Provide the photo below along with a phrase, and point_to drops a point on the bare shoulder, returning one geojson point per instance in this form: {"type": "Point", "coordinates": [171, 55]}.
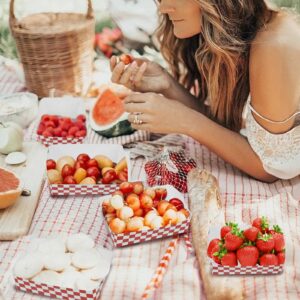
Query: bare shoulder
{"type": "Point", "coordinates": [274, 71]}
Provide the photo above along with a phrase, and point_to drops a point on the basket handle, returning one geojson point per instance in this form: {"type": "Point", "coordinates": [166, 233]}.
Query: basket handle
{"type": "Point", "coordinates": [13, 20]}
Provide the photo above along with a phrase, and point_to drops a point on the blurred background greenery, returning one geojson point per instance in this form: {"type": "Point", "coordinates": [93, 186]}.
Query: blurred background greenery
{"type": "Point", "coordinates": [7, 45]}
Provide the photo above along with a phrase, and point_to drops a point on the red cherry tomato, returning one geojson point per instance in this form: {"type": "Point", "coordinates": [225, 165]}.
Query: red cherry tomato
{"type": "Point", "coordinates": [80, 164]}
{"type": "Point", "coordinates": [69, 180]}
{"type": "Point", "coordinates": [83, 156]}
{"type": "Point", "coordinates": [51, 164]}
{"type": "Point", "coordinates": [67, 170]}
{"type": "Point", "coordinates": [126, 187]}
{"type": "Point", "coordinates": [73, 130]}
{"type": "Point", "coordinates": [160, 193]}
{"type": "Point", "coordinates": [126, 59]}
{"type": "Point", "coordinates": [109, 176]}
{"type": "Point", "coordinates": [81, 118]}
{"type": "Point", "coordinates": [93, 171]}
{"type": "Point", "coordinates": [123, 176]}
{"type": "Point", "coordinates": [92, 163]}
{"type": "Point", "coordinates": [177, 203]}
{"type": "Point", "coordinates": [138, 187]}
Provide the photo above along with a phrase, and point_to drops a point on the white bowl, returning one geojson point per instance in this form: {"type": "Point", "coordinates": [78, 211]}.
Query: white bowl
{"type": "Point", "coordinates": [21, 108]}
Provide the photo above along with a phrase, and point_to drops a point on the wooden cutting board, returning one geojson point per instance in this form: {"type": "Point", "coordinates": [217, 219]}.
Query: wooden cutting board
{"type": "Point", "coordinates": [15, 220]}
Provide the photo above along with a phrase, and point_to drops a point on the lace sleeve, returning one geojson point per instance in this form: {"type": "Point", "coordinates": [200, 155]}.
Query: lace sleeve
{"type": "Point", "coordinates": [279, 153]}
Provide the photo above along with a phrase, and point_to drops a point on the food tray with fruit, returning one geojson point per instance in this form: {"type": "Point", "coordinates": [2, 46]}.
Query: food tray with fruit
{"type": "Point", "coordinates": [61, 121]}
{"type": "Point", "coordinates": [136, 214]}
{"type": "Point", "coordinates": [76, 271]}
{"type": "Point", "coordinates": [255, 250]}
{"type": "Point", "coordinates": [89, 169]}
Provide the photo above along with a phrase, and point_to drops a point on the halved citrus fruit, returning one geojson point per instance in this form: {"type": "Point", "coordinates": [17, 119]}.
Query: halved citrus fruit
{"type": "Point", "coordinates": [10, 188]}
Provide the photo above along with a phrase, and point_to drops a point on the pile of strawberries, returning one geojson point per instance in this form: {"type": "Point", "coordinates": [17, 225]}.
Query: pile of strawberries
{"type": "Point", "coordinates": [58, 126]}
{"type": "Point", "coordinates": [257, 244]}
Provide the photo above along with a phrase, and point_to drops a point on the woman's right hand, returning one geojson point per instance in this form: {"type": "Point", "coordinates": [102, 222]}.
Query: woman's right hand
{"type": "Point", "coordinates": [141, 75]}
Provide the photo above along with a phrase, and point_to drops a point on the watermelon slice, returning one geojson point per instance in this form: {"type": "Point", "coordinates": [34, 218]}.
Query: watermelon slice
{"type": "Point", "coordinates": [108, 116]}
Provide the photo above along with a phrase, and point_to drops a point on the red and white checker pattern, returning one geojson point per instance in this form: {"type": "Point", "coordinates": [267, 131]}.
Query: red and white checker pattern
{"type": "Point", "coordinates": [131, 238]}
{"type": "Point", "coordinates": [239, 270]}
{"type": "Point", "coordinates": [82, 190]}
{"type": "Point", "coordinates": [29, 286]}
{"type": "Point", "coordinates": [48, 141]}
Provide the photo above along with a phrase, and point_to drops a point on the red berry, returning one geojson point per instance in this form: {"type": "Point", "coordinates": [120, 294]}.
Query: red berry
{"type": "Point", "coordinates": [229, 259]}
{"type": "Point", "coordinates": [268, 260]}
{"type": "Point", "coordinates": [261, 223]}
{"type": "Point", "coordinates": [233, 239]}
{"type": "Point", "coordinates": [251, 233]}
{"type": "Point", "coordinates": [278, 237]}
{"type": "Point", "coordinates": [265, 243]}
{"type": "Point", "coordinates": [248, 256]}
{"type": "Point", "coordinates": [281, 258]}
{"type": "Point", "coordinates": [211, 245]}
{"type": "Point", "coordinates": [227, 228]}
{"type": "Point", "coordinates": [215, 252]}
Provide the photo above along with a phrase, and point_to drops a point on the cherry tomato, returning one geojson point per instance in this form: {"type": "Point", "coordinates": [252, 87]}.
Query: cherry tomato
{"type": "Point", "coordinates": [45, 118]}
{"type": "Point", "coordinates": [123, 176]}
{"type": "Point", "coordinates": [126, 59]}
{"type": "Point", "coordinates": [160, 193]}
{"type": "Point", "coordinates": [109, 176]}
{"type": "Point", "coordinates": [177, 203]}
{"type": "Point", "coordinates": [51, 164]}
{"type": "Point", "coordinates": [92, 163]}
{"type": "Point", "coordinates": [81, 133]}
{"type": "Point", "coordinates": [83, 156]}
{"type": "Point", "coordinates": [81, 118]}
{"type": "Point", "coordinates": [146, 201]}
{"type": "Point", "coordinates": [126, 187]}
{"type": "Point", "coordinates": [138, 187]}
{"type": "Point", "coordinates": [150, 192]}
{"type": "Point", "coordinates": [73, 130]}
{"type": "Point", "coordinates": [69, 180]}
{"type": "Point", "coordinates": [67, 170]}
{"type": "Point", "coordinates": [93, 171]}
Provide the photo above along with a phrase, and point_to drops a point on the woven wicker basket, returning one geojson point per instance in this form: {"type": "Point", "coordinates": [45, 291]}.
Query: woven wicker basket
{"type": "Point", "coordinates": [56, 50]}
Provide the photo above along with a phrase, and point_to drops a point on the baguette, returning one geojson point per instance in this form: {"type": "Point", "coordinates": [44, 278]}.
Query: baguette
{"type": "Point", "coordinates": [206, 207]}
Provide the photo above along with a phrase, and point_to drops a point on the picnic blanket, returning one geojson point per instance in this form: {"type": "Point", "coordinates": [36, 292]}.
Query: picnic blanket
{"type": "Point", "coordinates": [242, 197]}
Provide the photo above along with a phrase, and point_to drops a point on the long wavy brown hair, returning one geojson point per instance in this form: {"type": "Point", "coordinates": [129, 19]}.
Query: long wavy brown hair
{"type": "Point", "coordinates": [217, 60]}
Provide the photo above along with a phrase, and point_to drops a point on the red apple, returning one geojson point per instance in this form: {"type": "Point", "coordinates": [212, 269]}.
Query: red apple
{"type": "Point", "coordinates": [177, 203]}
{"type": "Point", "coordinates": [93, 172]}
{"type": "Point", "coordinates": [126, 187]}
{"type": "Point", "coordinates": [92, 163]}
{"type": "Point", "coordinates": [69, 180]}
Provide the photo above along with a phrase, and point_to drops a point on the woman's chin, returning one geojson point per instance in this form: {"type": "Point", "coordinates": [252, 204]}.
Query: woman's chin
{"type": "Point", "coordinates": [184, 35]}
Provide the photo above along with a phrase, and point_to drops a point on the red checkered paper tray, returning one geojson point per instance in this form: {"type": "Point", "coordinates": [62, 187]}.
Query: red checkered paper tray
{"type": "Point", "coordinates": [102, 171]}
{"type": "Point", "coordinates": [135, 221]}
{"type": "Point", "coordinates": [218, 269]}
{"type": "Point", "coordinates": [66, 107]}
{"type": "Point", "coordinates": [63, 267]}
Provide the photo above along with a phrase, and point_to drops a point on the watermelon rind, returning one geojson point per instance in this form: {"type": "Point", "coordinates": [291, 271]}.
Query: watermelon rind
{"type": "Point", "coordinates": [121, 126]}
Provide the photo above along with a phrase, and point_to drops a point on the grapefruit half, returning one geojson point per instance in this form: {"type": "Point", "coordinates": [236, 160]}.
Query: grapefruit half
{"type": "Point", "coordinates": [10, 188]}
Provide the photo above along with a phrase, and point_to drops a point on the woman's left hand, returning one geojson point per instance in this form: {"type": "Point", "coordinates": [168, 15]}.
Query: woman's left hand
{"type": "Point", "coordinates": [156, 113]}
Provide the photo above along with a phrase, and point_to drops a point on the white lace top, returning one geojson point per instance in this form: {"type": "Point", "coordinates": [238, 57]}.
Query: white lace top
{"type": "Point", "coordinates": [279, 153]}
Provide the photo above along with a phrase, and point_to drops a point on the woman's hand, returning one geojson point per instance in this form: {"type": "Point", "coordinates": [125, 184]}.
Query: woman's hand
{"type": "Point", "coordinates": [141, 75]}
{"type": "Point", "coordinates": [156, 113]}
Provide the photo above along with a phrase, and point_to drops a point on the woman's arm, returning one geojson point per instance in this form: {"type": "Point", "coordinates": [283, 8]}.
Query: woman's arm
{"type": "Point", "coordinates": [178, 92]}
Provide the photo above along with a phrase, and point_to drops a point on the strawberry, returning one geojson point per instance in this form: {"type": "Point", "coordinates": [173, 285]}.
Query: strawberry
{"type": "Point", "coordinates": [268, 260]}
{"type": "Point", "coordinates": [248, 255]}
{"type": "Point", "coordinates": [226, 229]}
{"type": "Point", "coordinates": [211, 245]}
{"type": "Point", "coordinates": [225, 258]}
{"type": "Point", "coordinates": [265, 243]}
{"type": "Point", "coordinates": [281, 258]}
{"type": "Point", "coordinates": [229, 259]}
{"type": "Point", "coordinates": [251, 233]}
{"type": "Point", "coordinates": [261, 223]}
{"type": "Point", "coordinates": [215, 254]}
{"type": "Point", "coordinates": [233, 239]}
{"type": "Point", "coordinates": [278, 238]}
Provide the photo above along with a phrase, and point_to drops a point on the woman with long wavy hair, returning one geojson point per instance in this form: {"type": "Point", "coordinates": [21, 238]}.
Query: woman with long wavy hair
{"type": "Point", "coordinates": [234, 84]}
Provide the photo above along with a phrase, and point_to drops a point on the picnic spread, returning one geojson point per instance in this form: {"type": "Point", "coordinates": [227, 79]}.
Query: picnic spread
{"type": "Point", "coordinates": [92, 209]}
